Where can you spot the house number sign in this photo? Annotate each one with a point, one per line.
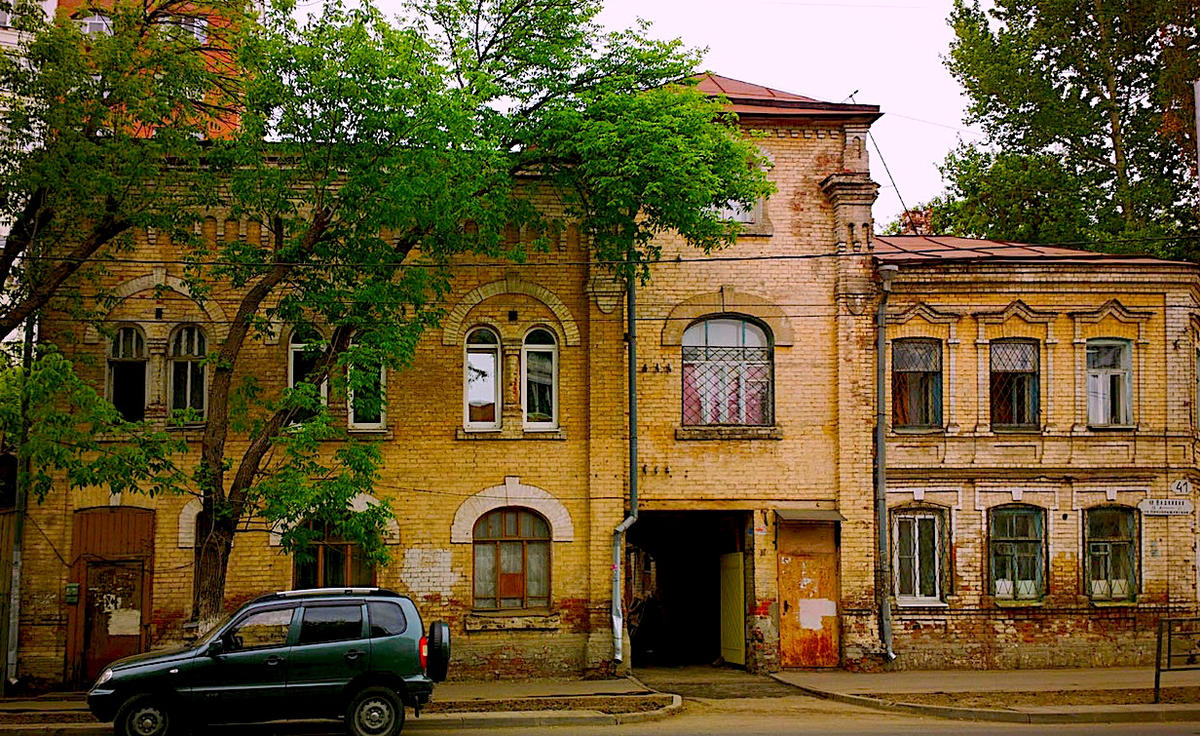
(1165, 506)
(1182, 487)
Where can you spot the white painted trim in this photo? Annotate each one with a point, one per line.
(512, 493)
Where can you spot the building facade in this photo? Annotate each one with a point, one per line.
(1014, 518)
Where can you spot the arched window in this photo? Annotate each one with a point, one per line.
(727, 373)
(481, 380)
(1018, 552)
(331, 562)
(512, 560)
(127, 373)
(304, 350)
(187, 372)
(540, 387)
(1112, 560)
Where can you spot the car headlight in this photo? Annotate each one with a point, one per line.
(105, 676)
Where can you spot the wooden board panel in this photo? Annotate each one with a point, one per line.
(733, 608)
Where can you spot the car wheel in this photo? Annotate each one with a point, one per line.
(438, 664)
(144, 715)
(375, 711)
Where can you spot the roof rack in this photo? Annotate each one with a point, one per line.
(318, 592)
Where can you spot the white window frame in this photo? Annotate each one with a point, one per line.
(914, 516)
(196, 26)
(5, 19)
(368, 426)
(98, 23)
(300, 347)
(734, 211)
(1099, 398)
(526, 349)
(497, 350)
(189, 358)
(143, 358)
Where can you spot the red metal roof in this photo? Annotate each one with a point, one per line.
(930, 249)
(754, 99)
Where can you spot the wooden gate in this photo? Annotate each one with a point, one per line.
(809, 594)
(733, 609)
(113, 553)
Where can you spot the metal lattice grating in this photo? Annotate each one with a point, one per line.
(727, 385)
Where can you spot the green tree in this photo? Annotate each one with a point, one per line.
(374, 153)
(102, 133)
(1082, 108)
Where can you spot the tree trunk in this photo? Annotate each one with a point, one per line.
(214, 540)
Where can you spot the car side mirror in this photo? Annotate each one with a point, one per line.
(216, 648)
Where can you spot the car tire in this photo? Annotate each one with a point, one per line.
(375, 711)
(437, 666)
(145, 715)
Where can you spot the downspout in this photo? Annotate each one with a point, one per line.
(23, 468)
(618, 616)
(882, 573)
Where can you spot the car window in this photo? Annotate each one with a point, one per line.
(331, 623)
(262, 629)
(387, 619)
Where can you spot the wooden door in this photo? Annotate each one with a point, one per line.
(809, 594)
(733, 609)
(113, 615)
(113, 549)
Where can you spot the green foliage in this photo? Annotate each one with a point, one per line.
(77, 436)
(1082, 108)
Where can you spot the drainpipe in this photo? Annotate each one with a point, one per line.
(23, 467)
(618, 616)
(882, 573)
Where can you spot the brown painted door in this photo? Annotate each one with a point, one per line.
(809, 592)
(113, 614)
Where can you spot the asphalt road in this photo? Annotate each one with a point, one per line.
(702, 716)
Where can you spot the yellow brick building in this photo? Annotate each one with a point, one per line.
(506, 449)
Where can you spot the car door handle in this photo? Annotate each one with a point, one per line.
(353, 654)
(274, 659)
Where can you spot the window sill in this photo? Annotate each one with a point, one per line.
(1114, 604)
(727, 432)
(382, 432)
(1017, 430)
(1013, 603)
(524, 434)
(1111, 427)
(908, 603)
(516, 621)
(918, 430)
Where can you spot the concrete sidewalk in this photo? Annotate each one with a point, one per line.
(864, 688)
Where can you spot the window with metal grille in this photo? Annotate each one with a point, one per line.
(1015, 386)
(512, 560)
(728, 374)
(1017, 552)
(1112, 552)
(187, 373)
(127, 373)
(918, 555)
(328, 561)
(1109, 383)
(916, 384)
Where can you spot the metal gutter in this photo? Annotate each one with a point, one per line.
(618, 616)
(882, 572)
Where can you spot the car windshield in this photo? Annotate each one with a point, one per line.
(212, 633)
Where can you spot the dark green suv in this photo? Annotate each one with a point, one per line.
(355, 653)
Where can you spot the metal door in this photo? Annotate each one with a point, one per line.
(112, 626)
(733, 609)
(809, 592)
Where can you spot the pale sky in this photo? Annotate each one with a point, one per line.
(884, 52)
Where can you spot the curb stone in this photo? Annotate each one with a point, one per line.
(1084, 714)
